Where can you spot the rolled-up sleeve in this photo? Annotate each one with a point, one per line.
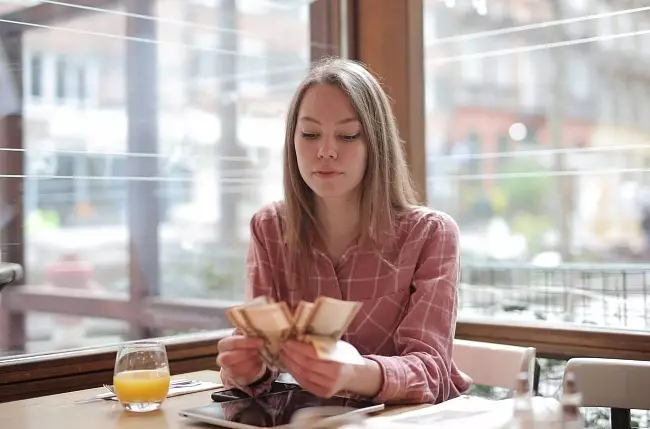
(422, 371)
(259, 282)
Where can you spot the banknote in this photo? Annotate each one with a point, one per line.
(321, 323)
(335, 350)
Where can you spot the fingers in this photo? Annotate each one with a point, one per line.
(240, 356)
(308, 370)
(305, 355)
(236, 357)
(312, 376)
(317, 389)
(298, 347)
(238, 342)
(241, 365)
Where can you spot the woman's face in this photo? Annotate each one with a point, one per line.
(329, 142)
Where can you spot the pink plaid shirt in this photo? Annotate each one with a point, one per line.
(408, 318)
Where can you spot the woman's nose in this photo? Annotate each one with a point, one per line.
(327, 149)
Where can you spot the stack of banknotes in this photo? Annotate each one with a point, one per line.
(321, 323)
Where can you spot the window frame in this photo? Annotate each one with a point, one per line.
(368, 29)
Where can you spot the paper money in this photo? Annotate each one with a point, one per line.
(321, 324)
(338, 351)
(266, 320)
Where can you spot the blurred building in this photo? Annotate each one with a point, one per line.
(492, 89)
(75, 100)
(224, 82)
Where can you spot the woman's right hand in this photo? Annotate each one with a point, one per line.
(240, 357)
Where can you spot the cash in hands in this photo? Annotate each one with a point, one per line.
(321, 323)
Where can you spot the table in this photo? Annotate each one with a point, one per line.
(61, 411)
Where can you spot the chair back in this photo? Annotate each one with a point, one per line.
(496, 365)
(621, 385)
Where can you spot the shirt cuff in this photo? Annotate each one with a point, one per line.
(393, 376)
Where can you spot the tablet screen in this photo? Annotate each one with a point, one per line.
(270, 410)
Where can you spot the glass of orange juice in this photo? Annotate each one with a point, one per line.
(141, 377)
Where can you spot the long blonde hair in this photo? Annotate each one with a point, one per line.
(386, 187)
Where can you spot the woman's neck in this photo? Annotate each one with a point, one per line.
(338, 219)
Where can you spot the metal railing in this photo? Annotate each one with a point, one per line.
(608, 295)
(612, 295)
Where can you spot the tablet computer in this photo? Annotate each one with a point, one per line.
(271, 410)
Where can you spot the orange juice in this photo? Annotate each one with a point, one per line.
(142, 386)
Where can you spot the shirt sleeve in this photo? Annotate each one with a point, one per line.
(259, 282)
(423, 371)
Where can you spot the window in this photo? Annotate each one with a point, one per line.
(9, 94)
(285, 71)
(120, 145)
(430, 30)
(472, 68)
(607, 102)
(579, 76)
(202, 59)
(36, 76)
(61, 85)
(55, 78)
(539, 187)
(253, 67)
(578, 6)
(81, 83)
(256, 7)
(606, 27)
(626, 25)
(528, 83)
(504, 71)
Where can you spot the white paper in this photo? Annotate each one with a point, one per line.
(465, 412)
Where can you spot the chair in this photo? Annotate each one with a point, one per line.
(621, 385)
(496, 365)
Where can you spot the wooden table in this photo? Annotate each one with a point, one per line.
(61, 411)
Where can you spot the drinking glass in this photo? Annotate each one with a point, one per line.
(141, 377)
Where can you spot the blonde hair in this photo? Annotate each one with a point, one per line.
(386, 187)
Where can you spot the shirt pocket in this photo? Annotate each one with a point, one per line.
(373, 328)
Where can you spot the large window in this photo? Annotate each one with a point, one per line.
(152, 130)
(537, 147)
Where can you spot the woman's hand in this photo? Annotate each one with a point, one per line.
(321, 377)
(240, 357)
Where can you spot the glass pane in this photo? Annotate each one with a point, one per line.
(47, 332)
(153, 130)
(537, 145)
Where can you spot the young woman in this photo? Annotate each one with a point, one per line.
(350, 228)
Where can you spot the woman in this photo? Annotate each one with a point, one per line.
(350, 228)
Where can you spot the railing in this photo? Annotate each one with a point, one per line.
(580, 299)
(492, 296)
(151, 313)
(574, 298)
(612, 295)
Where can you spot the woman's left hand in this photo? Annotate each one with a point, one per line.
(323, 378)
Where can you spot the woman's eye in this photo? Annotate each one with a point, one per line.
(349, 138)
(309, 136)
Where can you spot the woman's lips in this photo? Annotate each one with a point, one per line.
(326, 174)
